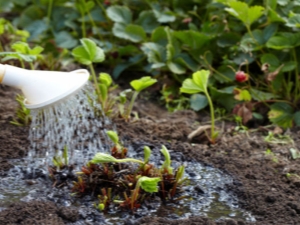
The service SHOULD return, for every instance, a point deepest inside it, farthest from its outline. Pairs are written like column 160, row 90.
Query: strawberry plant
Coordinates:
column 125, row 182
column 197, row 84
column 22, row 113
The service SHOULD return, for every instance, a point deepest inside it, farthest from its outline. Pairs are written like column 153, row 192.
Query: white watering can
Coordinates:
column 43, row 88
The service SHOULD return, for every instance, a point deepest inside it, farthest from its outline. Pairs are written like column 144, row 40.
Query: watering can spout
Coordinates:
column 43, row 88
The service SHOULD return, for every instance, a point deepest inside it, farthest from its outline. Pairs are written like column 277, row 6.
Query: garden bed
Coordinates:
column 260, row 178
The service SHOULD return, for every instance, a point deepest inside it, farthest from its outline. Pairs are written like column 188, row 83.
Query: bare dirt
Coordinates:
column 260, row 180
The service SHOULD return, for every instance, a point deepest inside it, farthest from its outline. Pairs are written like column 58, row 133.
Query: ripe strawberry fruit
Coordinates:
column 241, row 76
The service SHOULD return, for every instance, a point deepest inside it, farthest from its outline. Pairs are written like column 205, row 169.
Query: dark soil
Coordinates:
column 261, row 181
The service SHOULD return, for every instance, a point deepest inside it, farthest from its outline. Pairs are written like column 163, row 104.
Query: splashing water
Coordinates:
column 71, row 123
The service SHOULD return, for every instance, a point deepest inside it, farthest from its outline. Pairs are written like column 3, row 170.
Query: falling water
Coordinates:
column 72, row 124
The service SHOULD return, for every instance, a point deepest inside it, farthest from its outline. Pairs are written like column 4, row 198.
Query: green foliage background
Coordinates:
column 171, row 39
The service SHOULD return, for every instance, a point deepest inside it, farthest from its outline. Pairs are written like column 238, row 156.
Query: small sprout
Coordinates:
column 178, row 179
column 105, row 78
column 167, row 163
column 148, row 184
column 198, row 84
column 141, row 84
column 179, row 174
column 103, row 158
column 138, row 86
column 22, row 113
column 106, row 158
column 101, row 206
column 118, row 150
column 113, row 136
column 65, row 155
column 147, row 154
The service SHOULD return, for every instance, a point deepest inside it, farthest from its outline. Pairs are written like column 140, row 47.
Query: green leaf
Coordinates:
column 297, row 118
column 159, row 36
column 16, row 55
column 119, row 14
column 243, row 12
column 88, row 6
column 281, row 114
column 88, row 53
column 186, row 60
column 284, row 40
column 289, row 66
column 198, row 102
column 155, row 53
column 269, row 31
column 103, row 158
column 224, row 75
column 21, row 47
column 242, row 95
column 273, row 16
column 228, row 39
column 64, row 39
column 142, row 83
column 192, row 39
column 190, row 87
column 271, row 59
column 242, row 57
column 294, row 21
column 201, row 79
column 176, row 68
column 163, row 15
column 36, row 28
column 167, row 163
column 261, row 96
column 81, row 55
column 105, row 79
column 113, row 136
column 224, row 97
column 149, row 184
column 123, row 66
column 135, row 33
column 36, row 50
column 147, row 20
column 147, row 154
column 90, row 47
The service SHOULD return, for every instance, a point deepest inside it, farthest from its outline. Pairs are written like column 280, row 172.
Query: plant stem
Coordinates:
column 95, row 82
column 252, row 36
column 82, row 17
column 134, row 96
column 297, row 86
column 31, row 66
column 212, row 69
column 130, row 160
column 49, row 10
column 22, row 64
column 212, row 115
column 94, row 25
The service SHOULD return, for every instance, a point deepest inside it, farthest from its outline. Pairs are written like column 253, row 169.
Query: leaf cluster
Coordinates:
column 173, row 38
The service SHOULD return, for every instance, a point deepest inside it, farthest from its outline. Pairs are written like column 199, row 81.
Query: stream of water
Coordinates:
column 72, row 124
column 75, row 125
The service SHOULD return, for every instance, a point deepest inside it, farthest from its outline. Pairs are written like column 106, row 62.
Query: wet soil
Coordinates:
column 260, row 180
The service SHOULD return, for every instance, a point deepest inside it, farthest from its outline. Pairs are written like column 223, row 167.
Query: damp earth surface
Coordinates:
column 231, row 182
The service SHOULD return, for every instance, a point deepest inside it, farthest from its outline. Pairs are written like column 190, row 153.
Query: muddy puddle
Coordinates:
column 207, row 195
